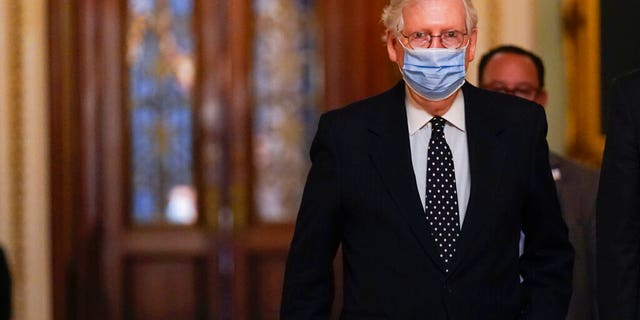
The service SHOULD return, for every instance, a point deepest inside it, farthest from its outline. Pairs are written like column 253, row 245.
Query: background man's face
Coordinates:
column 513, row 74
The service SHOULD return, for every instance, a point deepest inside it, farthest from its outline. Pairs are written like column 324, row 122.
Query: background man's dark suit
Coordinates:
column 5, row 288
column 361, row 192
column 577, row 188
column 618, row 206
column 517, row 71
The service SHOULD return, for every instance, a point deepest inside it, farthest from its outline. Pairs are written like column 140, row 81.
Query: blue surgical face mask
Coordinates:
column 434, row 73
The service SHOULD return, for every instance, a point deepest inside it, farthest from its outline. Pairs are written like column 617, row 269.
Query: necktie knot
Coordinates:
column 437, row 124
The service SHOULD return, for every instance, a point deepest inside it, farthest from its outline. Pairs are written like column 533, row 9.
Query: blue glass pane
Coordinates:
column 287, row 77
column 181, row 8
column 142, row 7
column 160, row 56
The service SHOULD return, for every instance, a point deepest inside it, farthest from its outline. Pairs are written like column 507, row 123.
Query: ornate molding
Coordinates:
column 581, row 28
column 494, row 25
column 16, row 154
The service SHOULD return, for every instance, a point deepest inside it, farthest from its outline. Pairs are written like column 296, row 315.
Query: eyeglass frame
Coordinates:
column 431, row 36
column 529, row 94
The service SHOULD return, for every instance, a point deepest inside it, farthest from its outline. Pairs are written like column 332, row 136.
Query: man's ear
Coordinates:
column 392, row 42
column 471, row 48
column 541, row 99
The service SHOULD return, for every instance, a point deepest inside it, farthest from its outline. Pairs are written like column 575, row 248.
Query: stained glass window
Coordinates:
column 287, row 77
column 160, row 60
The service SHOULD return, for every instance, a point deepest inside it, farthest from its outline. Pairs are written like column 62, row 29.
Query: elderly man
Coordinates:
column 427, row 187
column 513, row 70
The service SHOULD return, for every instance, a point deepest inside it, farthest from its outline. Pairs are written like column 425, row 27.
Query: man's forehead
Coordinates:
column 434, row 12
column 506, row 82
column 509, row 72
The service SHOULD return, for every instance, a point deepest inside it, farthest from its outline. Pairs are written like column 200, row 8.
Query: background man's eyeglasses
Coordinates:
column 528, row 93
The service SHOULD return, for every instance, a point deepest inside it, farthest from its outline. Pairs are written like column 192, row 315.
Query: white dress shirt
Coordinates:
column 456, row 136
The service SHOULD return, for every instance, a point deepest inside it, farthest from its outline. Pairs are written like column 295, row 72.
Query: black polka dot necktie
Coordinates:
column 441, row 201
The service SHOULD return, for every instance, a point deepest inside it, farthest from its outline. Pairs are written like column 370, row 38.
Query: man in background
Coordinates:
column 619, row 205
column 513, row 70
column 5, row 288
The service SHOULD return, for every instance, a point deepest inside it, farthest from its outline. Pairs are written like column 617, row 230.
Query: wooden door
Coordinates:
column 251, row 77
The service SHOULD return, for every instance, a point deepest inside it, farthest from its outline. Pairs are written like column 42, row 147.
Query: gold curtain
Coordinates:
column 24, row 226
column 581, row 22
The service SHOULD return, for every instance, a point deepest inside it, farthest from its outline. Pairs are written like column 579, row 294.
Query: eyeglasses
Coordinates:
column 525, row 92
column 451, row 39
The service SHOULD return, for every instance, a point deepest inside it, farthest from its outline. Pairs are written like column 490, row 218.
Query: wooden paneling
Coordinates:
column 228, row 266
column 61, row 150
column 103, row 267
column 260, row 255
column 355, row 57
column 238, row 93
column 266, row 273
column 75, row 223
column 165, row 289
column 211, row 133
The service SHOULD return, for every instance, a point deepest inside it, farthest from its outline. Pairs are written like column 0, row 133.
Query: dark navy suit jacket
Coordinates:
column 577, row 188
column 618, row 206
column 5, row 288
column 361, row 193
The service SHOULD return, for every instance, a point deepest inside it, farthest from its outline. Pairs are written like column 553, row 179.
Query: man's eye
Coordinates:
column 419, row 35
column 450, row 34
column 525, row 90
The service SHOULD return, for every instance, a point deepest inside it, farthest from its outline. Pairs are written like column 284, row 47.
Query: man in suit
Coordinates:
column 5, row 288
column 618, row 206
column 426, row 187
column 513, row 70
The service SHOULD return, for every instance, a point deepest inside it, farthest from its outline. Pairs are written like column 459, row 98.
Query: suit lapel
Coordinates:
column 390, row 153
column 486, row 158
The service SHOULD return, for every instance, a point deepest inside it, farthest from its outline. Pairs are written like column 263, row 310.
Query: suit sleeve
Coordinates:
column 547, row 261
column 618, row 214
column 5, row 289
column 308, row 281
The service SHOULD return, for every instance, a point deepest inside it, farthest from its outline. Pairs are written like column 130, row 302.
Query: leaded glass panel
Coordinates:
column 160, row 60
column 286, row 79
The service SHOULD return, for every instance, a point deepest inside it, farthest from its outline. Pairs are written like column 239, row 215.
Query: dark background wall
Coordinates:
column 620, row 43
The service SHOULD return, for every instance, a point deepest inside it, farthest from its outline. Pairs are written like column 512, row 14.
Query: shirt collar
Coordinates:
column 418, row 117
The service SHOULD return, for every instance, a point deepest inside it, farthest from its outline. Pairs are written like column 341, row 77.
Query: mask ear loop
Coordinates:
column 399, row 37
column 466, row 45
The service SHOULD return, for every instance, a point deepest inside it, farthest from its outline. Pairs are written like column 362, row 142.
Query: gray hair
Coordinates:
column 392, row 15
